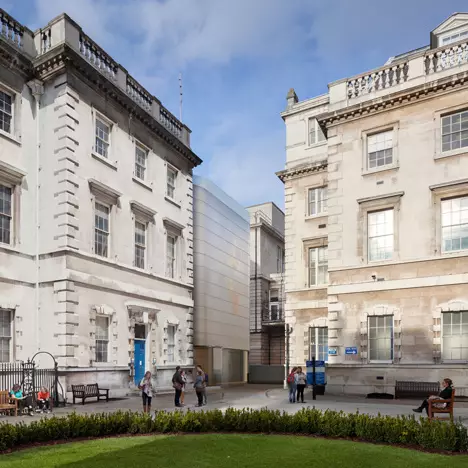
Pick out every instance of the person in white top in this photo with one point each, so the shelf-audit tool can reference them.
(184, 379)
(146, 387)
(301, 382)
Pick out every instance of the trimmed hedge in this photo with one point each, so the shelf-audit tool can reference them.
(429, 435)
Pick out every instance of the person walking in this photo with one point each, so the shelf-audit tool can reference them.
(445, 394)
(184, 385)
(292, 386)
(177, 384)
(205, 382)
(146, 387)
(301, 382)
(199, 387)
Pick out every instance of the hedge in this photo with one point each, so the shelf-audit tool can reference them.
(403, 430)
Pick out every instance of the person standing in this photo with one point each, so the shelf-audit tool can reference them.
(184, 385)
(205, 382)
(146, 387)
(199, 387)
(292, 387)
(301, 382)
(445, 394)
(177, 384)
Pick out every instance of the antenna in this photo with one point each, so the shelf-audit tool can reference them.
(181, 94)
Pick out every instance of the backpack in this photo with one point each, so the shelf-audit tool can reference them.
(206, 378)
(290, 378)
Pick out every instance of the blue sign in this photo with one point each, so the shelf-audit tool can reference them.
(351, 350)
(319, 373)
(332, 351)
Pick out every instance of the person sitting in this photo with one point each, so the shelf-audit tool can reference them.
(445, 394)
(43, 400)
(24, 402)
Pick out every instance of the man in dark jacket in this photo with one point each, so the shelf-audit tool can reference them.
(177, 384)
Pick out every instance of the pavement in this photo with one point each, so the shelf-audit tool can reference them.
(249, 396)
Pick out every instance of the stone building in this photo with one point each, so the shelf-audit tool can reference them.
(96, 255)
(376, 192)
(221, 259)
(267, 343)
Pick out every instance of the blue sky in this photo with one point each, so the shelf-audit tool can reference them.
(238, 58)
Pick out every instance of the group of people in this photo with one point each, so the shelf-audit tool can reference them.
(25, 402)
(179, 383)
(297, 382)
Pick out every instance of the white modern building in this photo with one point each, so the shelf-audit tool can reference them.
(221, 259)
(96, 249)
(376, 196)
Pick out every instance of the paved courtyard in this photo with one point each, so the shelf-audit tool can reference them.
(252, 396)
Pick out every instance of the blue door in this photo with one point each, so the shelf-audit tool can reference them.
(139, 360)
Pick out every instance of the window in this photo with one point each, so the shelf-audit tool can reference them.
(171, 329)
(275, 313)
(318, 343)
(380, 235)
(102, 138)
(454, 224)
(317, 201)
(279, 259)
(101, 229)
(171, 255)
(5, 335)
(455, 335)
(318, 266)
(380, 149)
(140, 244)
(380, 334)
(141, 156)
(102, 339)
(455, 131)
(5, 214)
(316, 134)
(171, 182)
(6, 106)
(459, 36)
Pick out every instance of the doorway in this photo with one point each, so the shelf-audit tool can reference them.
(139, 352)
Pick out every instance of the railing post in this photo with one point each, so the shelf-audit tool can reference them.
(56, 398)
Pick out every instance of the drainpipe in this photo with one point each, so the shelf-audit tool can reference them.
(37, 90)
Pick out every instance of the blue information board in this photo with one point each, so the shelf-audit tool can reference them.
(319, 373)
(332, 351)
(351, 350)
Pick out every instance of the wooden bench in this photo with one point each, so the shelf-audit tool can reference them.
(433, 409)
(410, 389)
(89, 391)
(7, 403)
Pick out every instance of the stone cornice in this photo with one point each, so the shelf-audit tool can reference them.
(301, 171)
(63, 56)
(14, 59)
(394, 100)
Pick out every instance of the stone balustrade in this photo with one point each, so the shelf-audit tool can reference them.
(379, 79)
(11, 30)
(97, 57)
(446, 57)
(170, 122)
(139, 94)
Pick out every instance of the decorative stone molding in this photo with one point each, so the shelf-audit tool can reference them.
(302, 170)
(173, 226)
(139, 314)
(143, 212)
(11, 174)
(106, 311)
(189, 234)
(103, 192)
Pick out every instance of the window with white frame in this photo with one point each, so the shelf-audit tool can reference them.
(317, 201)
(140, 244)
(5, 214)
(102, 338)
(454, 37)
(171, 182)
(380, 235)
(316, 134)
(141, 157)
(454, 131)
(455, 336)
(279, 259)
(318, 343)
(380, 337)
(380, 149)
(275, 312)
(171, 332)
(102, 141)
(101, 229)
(454, 224)
(318, 266)
(5, 335)
(171, 254)
(6, 112)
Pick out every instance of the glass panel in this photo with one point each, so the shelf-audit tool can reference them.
(5, 112)
(101, 229)
(102, 138)
(380, 336)
(380, 235)
(454, 224)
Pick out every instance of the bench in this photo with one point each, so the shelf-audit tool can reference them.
(433, 409)
(7, 403)
(89, 391)
(410, 389)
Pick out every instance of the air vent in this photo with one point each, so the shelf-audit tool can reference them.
(321, 226)
(380, 182)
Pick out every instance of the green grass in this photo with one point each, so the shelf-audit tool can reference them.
(210, 451)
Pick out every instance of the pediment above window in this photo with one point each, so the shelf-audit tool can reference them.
(11, 174)
(104, 192)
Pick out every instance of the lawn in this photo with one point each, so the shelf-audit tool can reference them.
(209, 451)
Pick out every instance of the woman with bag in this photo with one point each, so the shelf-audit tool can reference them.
(146, 387)
(199, 387)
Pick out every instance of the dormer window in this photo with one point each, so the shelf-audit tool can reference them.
(452, 37)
